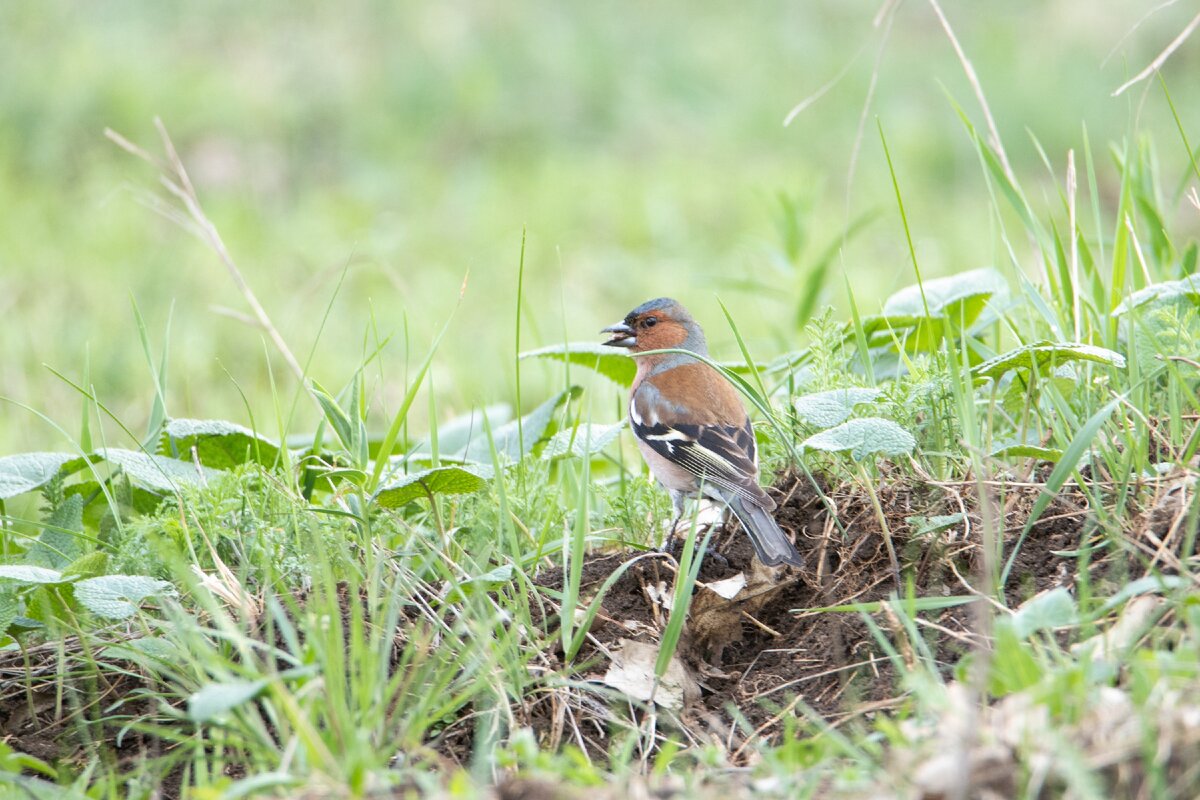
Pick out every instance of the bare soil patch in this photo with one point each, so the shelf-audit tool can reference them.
(783, 651)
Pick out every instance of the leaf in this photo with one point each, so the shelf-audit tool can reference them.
(220, 444)
(439, 480)
(1046, 354)
(59, 543)
(457, 434)
(1022, 391)
(8, 608)
(610, 362)
(1157, 293)
(863, 437)
(632, 673)
(217, 698)
(88, 565)
(1025, 450)
(29, 471)
(922, 525)
(958, 298)
(28, 574)
(500, 576)
(117, 596)
(148, 652)
(515, 439)
(157, 473)
(1044, 612)
(582, 441)
(826, 409)
(347, 430)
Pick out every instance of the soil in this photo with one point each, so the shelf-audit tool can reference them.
(786, 652)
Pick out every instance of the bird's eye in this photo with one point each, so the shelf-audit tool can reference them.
(649, 322)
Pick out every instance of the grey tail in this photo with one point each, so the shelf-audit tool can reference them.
(770, 542)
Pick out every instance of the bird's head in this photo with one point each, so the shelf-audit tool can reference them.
(657, 325)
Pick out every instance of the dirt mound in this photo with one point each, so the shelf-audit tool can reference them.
(779, 645)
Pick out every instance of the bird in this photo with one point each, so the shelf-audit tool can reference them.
(691, 426)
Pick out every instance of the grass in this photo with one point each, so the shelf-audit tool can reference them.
(329, 588)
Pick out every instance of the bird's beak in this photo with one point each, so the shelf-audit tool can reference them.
(622, 335)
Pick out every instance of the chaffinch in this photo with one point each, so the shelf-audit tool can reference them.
(691, 425)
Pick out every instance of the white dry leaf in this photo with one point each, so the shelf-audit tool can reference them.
(660, 594)
(728, 588)
(632, 674)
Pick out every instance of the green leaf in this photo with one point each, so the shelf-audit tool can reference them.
(13, 762)
(958, 298)
(218, 698)
(1046, 354)
(439, 480)
(863, 437)
(29, 471)
(1045, 612)
(826, 409)
(220, 444)
(459, 433)
(9, 607)
(1013, 666)
(1025, 450)
(157, 473)
(500, 576)
(88, 565)
(117, 596)
(1023, 391)
(516, 439)
(151, 653)
(1157, 293)
(922, 525)
(61, 541)
(28, 574)
(612, 363)
(582, 441)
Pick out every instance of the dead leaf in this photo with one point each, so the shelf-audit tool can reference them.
(715, 618)
(632, 673)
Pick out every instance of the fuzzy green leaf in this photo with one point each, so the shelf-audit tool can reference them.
(29, 471)
(28, 574)
(1047, 611)
(1046, 354)
(1166, 291)
(9, 608)
(117, 596)
(157, 473)
(959, 298)
(439, 480)
(826, 409)
(1018, 449)
(459, 433)
(583, 441)
(218, 443)
(612, 363)
(515, 439)
(922, 525)
(60, 542)
(218, 698)
(864, 437)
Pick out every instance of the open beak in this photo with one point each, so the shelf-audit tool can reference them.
(622, 335)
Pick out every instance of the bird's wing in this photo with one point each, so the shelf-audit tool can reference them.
(721, 455)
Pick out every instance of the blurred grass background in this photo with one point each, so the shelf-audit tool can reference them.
(642, 145)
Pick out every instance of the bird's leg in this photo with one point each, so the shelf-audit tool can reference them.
(677, 501)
